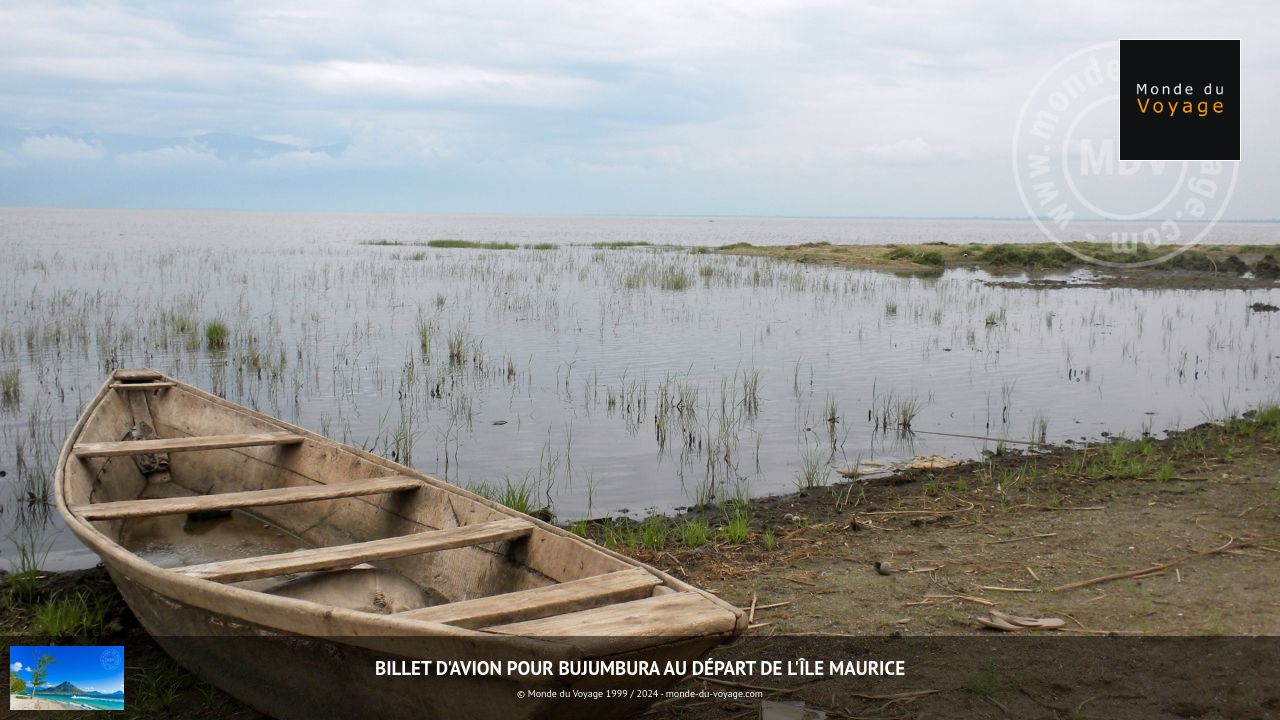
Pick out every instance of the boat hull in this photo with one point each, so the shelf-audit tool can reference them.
(295, 677)
(293, 657)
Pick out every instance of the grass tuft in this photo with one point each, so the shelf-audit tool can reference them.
(216, 334)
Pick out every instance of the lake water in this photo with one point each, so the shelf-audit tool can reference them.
(603, 380)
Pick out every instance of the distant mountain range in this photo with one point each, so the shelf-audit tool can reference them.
(67, 688)
(62, 688)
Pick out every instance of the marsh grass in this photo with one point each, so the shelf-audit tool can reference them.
(736, 527)
(471, 244)
(751, 392)
(457, 346)
(693, 532)
(157, 689)
(920, 256)
(425, 330)
(620, 244)
(216, 334)
(813, 471)
(22, 584)
(10, 388)
(674, 278)
(80, 616)
(519, 496)
(1123, 458)
(653, 532)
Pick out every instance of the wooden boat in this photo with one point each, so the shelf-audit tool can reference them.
(283, 567)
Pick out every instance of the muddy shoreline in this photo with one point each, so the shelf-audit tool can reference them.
(1130, 538)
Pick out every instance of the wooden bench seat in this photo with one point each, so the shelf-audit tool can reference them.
(245, 499)
(185, 444)
(341, 556)
(630, 625)
(540, 602)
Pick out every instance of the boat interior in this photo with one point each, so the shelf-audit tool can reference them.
(199, 486)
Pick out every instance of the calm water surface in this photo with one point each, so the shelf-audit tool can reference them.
(602, 380)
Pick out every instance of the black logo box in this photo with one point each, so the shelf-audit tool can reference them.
(1158, 74)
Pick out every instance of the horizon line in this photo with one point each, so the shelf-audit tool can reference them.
(683, 216)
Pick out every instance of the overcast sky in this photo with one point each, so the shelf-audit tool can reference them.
(736, 108)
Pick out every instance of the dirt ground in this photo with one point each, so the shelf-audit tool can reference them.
(1177, 537)
(956, 543)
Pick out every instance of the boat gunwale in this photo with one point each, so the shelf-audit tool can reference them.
(299, 616)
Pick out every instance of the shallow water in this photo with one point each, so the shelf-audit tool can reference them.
(601, 380)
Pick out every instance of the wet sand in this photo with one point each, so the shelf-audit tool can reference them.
(39, 703)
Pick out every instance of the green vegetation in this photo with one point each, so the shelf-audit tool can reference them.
(1265, 418)
(1028, 257)
(22, 585)
(653, 532)
(985, 684)
(1122, 459)
(471, 244)
(543, 246)
(80, 616)
(1267, 268)
(751, 392)
(770, 539)
(216, 335)
(457, 346)
(157, 690)
(736, 527)
(674, 278)
(813, 471)
(425, 330)
(10, 387)
(16, 684)
(694, 532)
(517, 496)
(40, 672)
(916, 255)
(620, 244)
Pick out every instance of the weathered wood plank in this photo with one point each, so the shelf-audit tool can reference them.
(186, 444)
(250, 498)
(143, 374)
(685, 614)
(540, 602)
(142, 385)
(340, 556)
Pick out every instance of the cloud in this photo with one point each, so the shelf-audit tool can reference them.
(910, 151)
(170, 157)
(60, 147)
(443, 82)
(785, 98)
(309, 159)
(16, 667)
